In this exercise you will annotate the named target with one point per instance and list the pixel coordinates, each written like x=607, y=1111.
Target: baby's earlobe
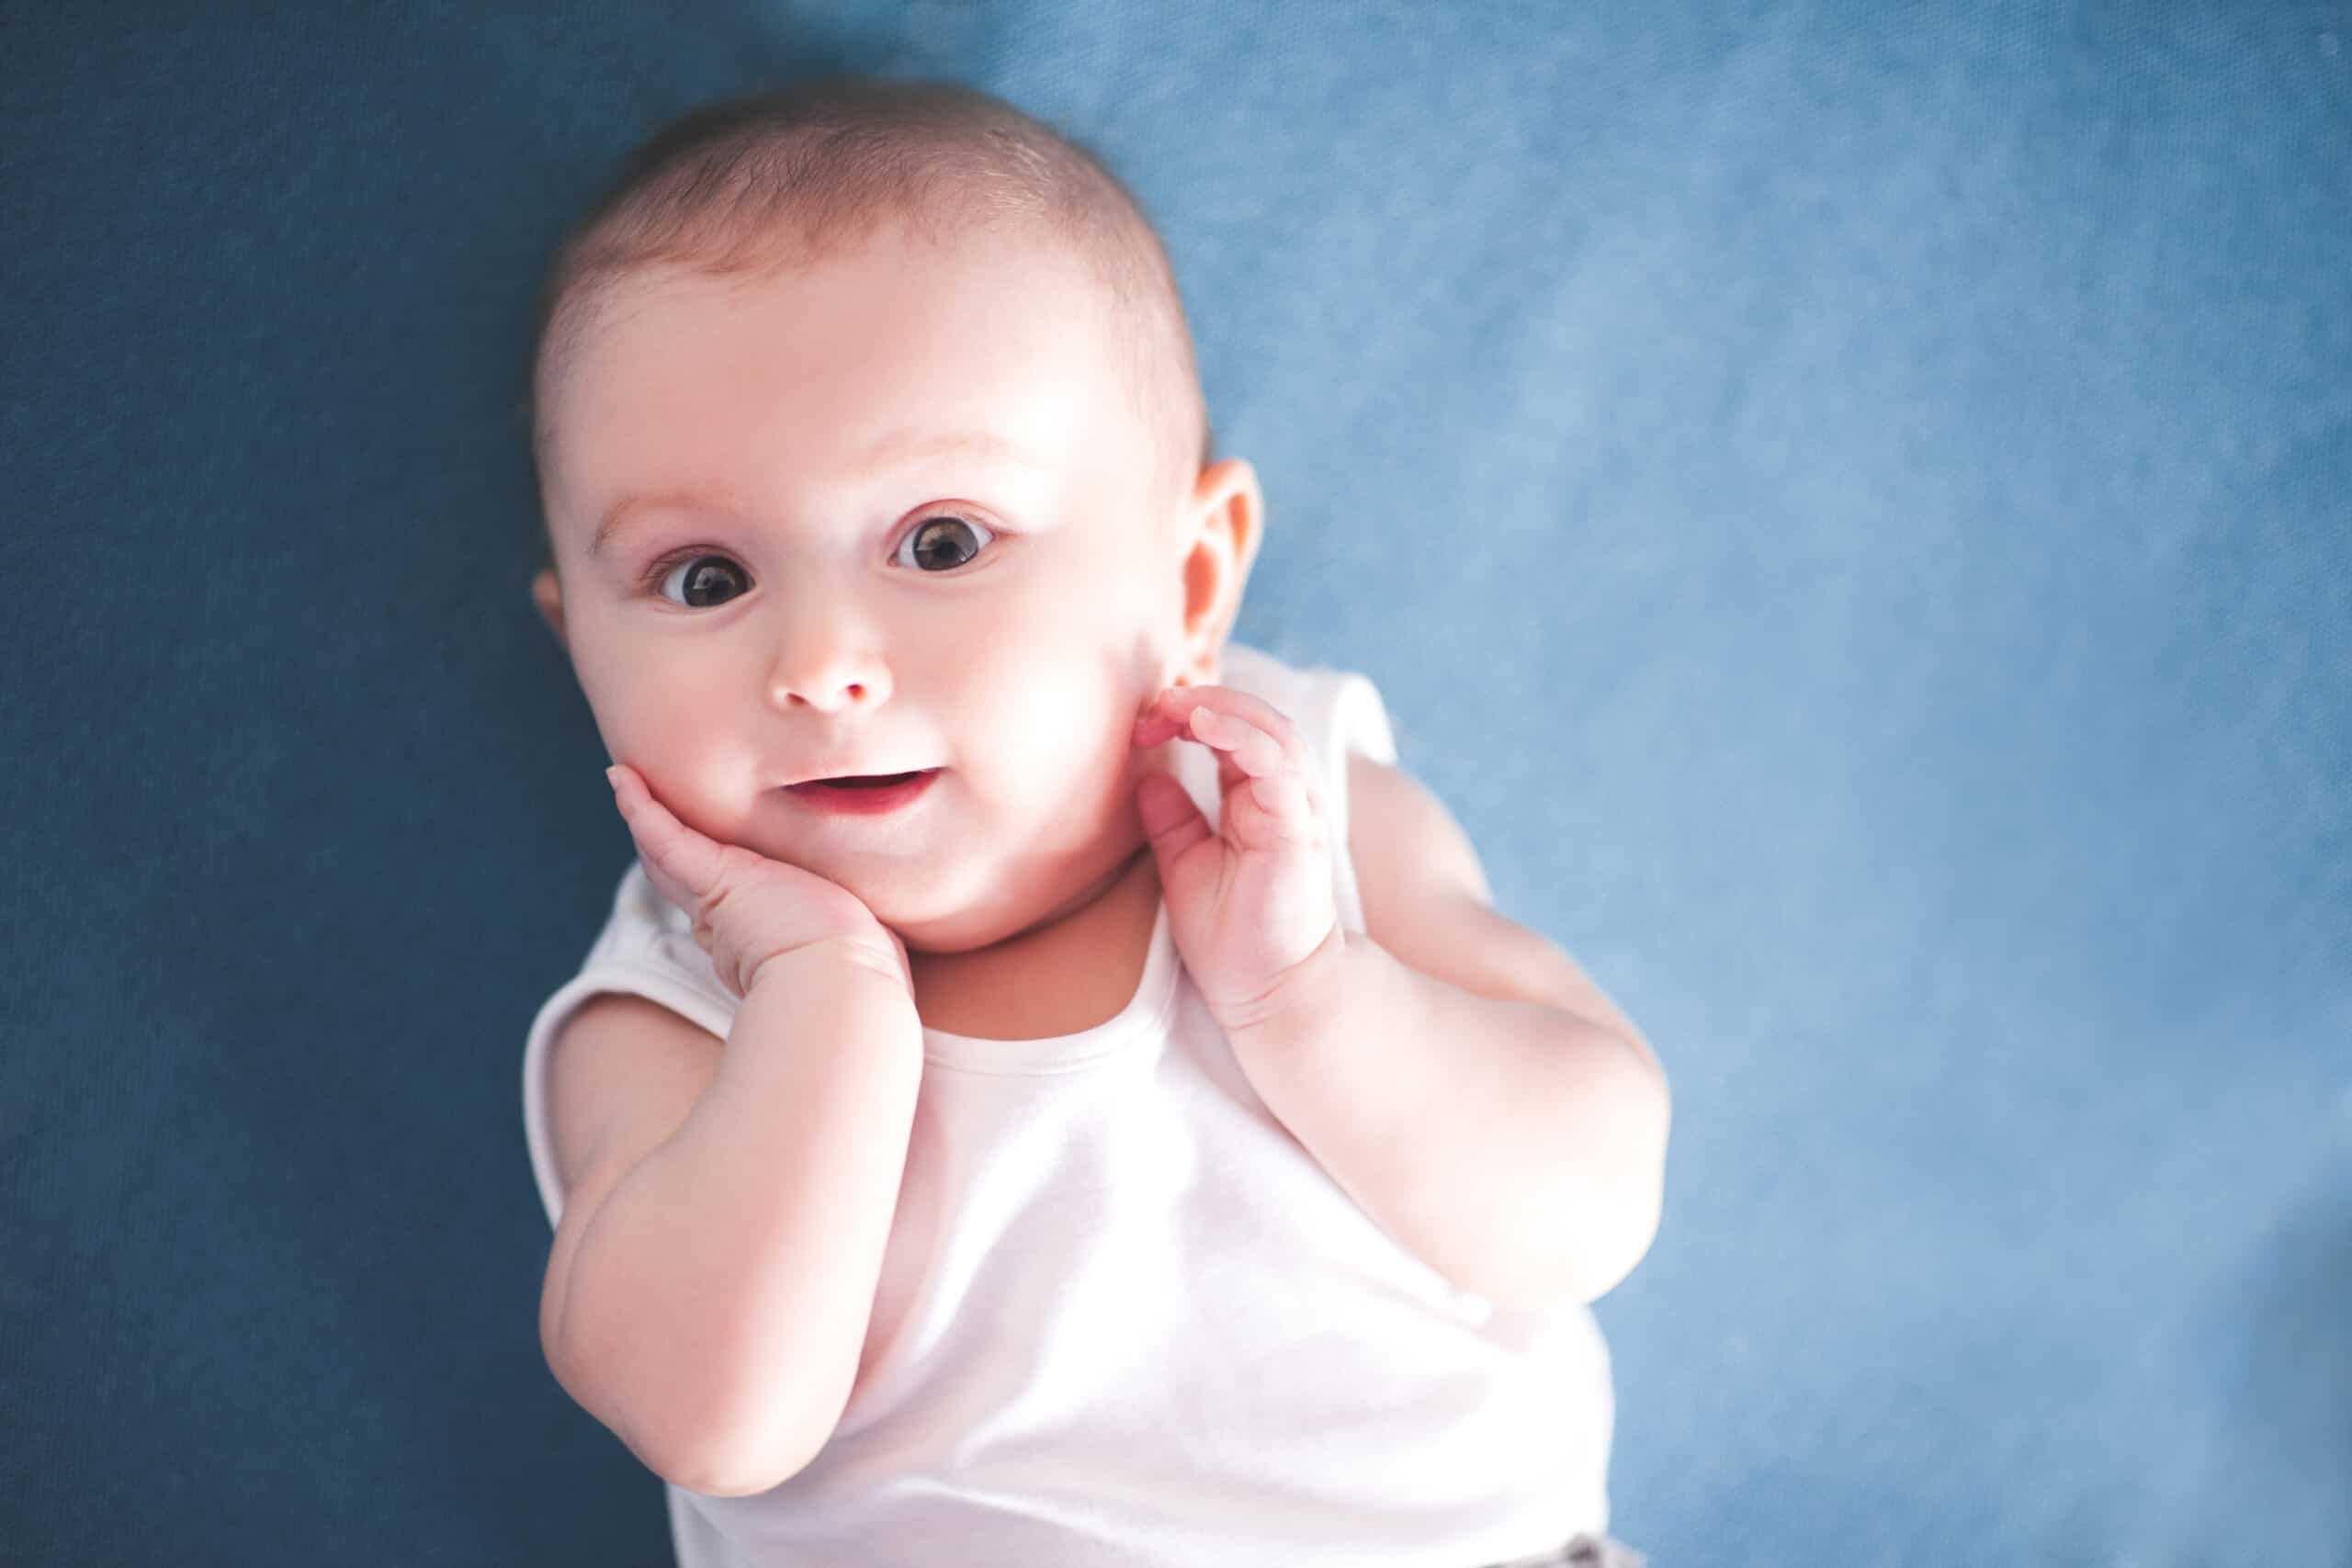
x=549, y=597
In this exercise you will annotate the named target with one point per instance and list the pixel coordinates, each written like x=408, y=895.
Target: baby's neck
x=1059, y=977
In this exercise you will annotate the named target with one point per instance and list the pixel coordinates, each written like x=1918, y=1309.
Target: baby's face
x=799, y=576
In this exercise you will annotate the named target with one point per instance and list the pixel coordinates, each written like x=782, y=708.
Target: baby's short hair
x=781, y=179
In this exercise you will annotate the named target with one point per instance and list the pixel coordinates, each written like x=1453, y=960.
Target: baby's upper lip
x=853, y=772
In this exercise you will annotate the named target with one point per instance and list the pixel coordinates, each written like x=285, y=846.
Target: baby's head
x=870, y=439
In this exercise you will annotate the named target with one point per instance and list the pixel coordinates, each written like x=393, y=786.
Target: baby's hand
x=747, y=909
x=1251, y=902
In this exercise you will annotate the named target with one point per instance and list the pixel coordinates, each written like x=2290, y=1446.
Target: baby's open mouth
x=870, y=781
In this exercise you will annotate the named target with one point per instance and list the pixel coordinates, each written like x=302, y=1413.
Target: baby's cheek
x=1045, y=683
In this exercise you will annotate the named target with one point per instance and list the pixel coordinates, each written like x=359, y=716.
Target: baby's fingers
x=683, y=864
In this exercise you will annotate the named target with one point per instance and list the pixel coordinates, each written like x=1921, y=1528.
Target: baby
x=1051, y=1090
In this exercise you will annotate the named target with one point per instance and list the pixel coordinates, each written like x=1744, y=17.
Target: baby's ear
x=549, y=597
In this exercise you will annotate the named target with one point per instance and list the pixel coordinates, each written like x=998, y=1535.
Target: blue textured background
x=1847, y=503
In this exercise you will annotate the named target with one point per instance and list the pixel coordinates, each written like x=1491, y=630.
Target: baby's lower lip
x=862, y=800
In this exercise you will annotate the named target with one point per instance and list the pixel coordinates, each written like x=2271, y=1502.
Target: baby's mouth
x=865, y=781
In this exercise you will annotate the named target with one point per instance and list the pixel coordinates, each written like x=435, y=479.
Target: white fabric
x=1125, y=1318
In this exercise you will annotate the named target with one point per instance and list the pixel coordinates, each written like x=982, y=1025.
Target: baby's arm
x=1460, y=1076
x=708, y=1302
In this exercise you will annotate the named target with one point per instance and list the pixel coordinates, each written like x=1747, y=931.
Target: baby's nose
x=835, y=684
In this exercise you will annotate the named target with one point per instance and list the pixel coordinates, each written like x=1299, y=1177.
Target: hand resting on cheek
x=746, y=908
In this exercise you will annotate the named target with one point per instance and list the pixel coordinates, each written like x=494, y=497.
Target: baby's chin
x=920, y=898
x=932, y=918
x=925, y=928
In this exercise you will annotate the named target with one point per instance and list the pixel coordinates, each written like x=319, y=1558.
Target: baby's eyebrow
x=899, y=449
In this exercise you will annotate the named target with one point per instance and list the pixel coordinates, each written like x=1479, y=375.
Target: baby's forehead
x=1064, y=328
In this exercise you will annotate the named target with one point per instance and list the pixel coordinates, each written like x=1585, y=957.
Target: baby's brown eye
x=699, y=580
x=937, y=546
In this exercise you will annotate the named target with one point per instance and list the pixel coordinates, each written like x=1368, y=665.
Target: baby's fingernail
x=613, y=777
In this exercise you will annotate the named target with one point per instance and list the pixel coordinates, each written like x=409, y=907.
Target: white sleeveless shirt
x=1123, y=1315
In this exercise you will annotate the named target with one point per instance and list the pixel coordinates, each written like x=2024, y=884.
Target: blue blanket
x=1846, y=504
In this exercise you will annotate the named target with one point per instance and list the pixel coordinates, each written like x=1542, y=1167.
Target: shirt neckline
x=1145, y=1012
